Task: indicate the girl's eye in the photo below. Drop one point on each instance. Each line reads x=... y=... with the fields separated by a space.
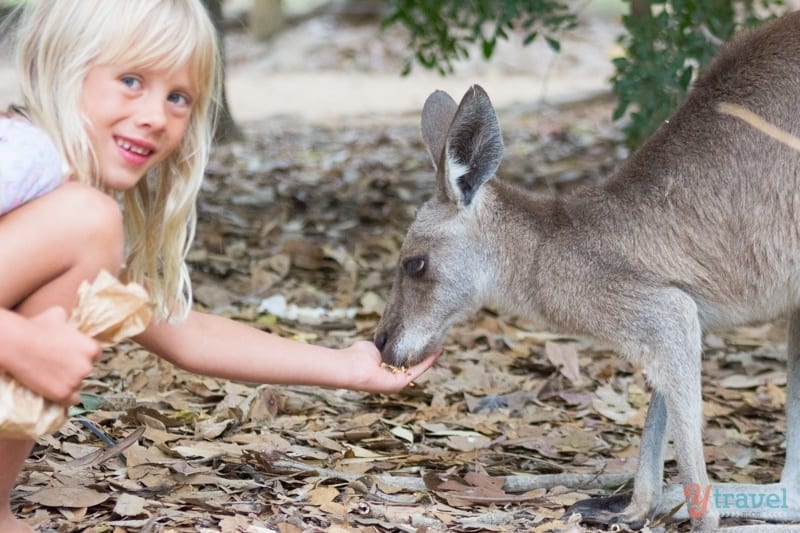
x=179 y=99
x=415 y=266
x=130 y=81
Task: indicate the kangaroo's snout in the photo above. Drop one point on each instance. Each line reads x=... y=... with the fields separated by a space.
x=386 y=342
x=381 y=342
x=400 y=349
x=381 y=339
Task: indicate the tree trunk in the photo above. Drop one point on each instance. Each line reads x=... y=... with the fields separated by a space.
x=266 y=18
x=640 y=11
x=227 y=130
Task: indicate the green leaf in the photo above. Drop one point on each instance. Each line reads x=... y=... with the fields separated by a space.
x=620 y=63
x=487 y=47
x=686 y=78
x=555 y=45
x=530 y=38
x=90 y=402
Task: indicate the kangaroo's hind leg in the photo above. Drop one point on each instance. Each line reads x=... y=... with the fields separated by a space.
x=778 y=502
x=791 y=468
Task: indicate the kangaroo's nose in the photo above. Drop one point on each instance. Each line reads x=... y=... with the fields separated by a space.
x=380 y=340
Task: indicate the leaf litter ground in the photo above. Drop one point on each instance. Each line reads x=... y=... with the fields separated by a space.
x=299 y=230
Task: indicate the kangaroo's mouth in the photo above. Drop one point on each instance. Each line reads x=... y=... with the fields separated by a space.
x=395 y=356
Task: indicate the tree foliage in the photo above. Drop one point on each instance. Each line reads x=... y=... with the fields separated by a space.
x=441 y=30
x=666 y=43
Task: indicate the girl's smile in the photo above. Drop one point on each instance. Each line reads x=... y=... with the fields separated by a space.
x=136 y=153
x=136 y=118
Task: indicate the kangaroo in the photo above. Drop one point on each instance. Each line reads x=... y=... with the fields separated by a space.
x=699 y=229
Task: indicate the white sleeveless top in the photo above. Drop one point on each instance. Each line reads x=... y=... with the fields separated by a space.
x=30 y=165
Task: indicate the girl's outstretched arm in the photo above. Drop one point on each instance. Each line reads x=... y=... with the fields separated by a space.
x=217 y=346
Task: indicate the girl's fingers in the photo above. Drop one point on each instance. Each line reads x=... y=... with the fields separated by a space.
x=74 y=399
x=98 y=351
x=417 y=370
x=385 y=379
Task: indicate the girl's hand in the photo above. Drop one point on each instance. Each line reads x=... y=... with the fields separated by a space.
x=60 y=357
x=367 y=374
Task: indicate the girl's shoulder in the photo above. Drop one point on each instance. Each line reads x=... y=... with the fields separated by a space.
x=30 y=164
x=16 y=129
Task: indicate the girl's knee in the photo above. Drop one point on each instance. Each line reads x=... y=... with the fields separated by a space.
x=95 y=220
x=65 y=237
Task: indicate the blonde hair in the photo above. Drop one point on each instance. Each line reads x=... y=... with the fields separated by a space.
x=58 y=43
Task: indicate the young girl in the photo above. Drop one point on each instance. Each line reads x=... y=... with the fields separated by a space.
x=118 y=96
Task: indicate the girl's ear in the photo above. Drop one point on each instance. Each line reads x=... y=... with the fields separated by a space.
x=473 y=148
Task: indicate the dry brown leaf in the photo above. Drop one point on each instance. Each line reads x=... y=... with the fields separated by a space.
x=108 y=311
x=565 y=358
x=69 y=497
x=322 y=494
x=613 y=405
x=285 y=527
x=211 y=429
x=738 y=381
x=130 y=505
x=207 y=450
x=236 y=524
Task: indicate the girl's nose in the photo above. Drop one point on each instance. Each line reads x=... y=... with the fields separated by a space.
x=152 y=113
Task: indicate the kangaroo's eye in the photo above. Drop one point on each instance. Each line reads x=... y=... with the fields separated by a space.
x=415 y=266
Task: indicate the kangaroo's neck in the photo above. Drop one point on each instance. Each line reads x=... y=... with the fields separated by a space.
x=537 y=241
x=513 y=235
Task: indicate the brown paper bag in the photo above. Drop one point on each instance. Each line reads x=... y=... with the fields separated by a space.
x=108 y=311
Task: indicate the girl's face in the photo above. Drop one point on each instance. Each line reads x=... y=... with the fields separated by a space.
x=137 y=118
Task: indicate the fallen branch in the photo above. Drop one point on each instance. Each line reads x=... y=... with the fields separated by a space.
x=278 y=463
x=522 y=483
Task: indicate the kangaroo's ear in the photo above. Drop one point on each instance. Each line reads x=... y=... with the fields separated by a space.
x=473 y=149
x=437 y=115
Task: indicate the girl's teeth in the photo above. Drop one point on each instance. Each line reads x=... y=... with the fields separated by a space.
x=135 y=149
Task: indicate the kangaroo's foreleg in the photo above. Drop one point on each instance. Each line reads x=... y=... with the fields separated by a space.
x=650 y=468
x=672 y=341
x=636 y=507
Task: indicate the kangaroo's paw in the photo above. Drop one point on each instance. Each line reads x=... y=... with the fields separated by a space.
x=609 y=510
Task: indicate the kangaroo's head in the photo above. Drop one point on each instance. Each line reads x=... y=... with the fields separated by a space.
x=444 y=261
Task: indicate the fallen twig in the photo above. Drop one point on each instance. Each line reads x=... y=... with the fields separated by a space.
x=104 y=454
